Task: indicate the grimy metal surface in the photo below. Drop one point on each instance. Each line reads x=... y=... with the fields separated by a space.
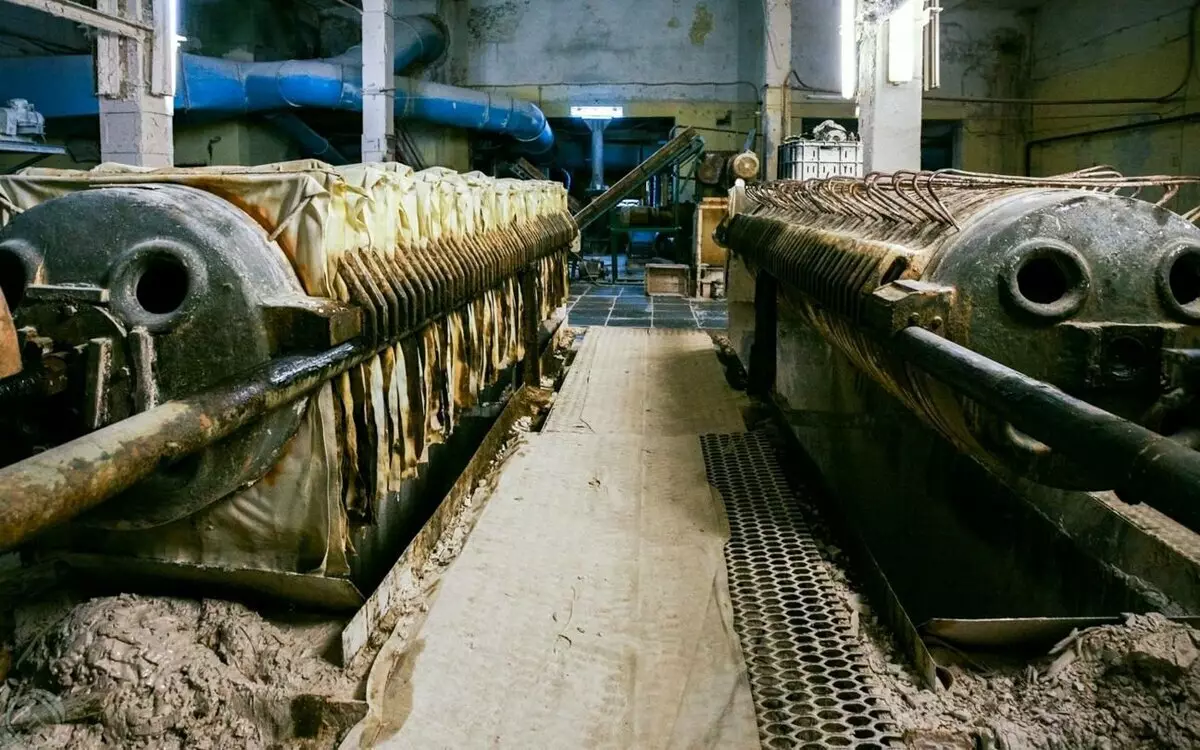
x=808 y=676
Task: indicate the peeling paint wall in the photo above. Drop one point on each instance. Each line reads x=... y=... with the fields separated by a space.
x=697 y=61
x=1085 y=49
x=653 y=49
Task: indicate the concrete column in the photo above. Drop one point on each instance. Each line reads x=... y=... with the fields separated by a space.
x=378 y=51
x=777 y=64
x=135 y=82
x=889 y=119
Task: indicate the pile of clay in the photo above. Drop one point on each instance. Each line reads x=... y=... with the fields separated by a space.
x=151 y=672
x=1131 y=685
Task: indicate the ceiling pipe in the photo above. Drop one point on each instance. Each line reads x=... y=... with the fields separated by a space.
x=227 y=87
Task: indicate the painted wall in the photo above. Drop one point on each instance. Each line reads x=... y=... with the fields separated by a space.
x=1085 y=49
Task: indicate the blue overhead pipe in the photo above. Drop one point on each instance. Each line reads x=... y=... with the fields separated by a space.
x=63 y=86
x=418 y=40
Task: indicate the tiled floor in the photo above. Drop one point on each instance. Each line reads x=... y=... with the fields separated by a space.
x=627 y=306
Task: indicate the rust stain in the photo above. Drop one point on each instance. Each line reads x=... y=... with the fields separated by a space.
x=397 y=696
x=10 y=351
x=702 y=25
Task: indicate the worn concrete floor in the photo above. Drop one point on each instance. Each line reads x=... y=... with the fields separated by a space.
x=589 y=607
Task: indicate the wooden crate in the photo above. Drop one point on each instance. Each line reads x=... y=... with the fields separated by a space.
x=708 y=215
x=667 y=278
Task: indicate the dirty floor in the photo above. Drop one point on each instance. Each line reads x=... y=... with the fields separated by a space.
x=589 y=607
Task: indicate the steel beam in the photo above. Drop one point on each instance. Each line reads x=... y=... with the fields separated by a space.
x=97 y=19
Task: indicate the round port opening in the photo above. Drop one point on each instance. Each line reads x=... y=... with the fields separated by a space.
x=1042 y=281
x=155 y=283
x=163 y=284
x=1179 y=282
x=1048 y=280
x=1185 y=279
x=13 y=277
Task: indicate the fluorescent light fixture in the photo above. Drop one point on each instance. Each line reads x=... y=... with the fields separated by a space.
x=597 y=113
x=902 y=42
x=849 y=51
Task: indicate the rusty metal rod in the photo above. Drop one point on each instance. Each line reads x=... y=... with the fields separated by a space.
x=673 y=150
x=1142 y=465
x=60 y=483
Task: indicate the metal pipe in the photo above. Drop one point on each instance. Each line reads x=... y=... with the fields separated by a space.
x=60 y=483
x=597 y=127
x=1143 y=465
x=310 y=141
x=228 y=87
x=933 y=44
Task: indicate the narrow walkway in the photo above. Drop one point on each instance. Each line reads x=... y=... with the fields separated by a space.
x=589 y=607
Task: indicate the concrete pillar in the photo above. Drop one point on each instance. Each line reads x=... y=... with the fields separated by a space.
x=777 y=65
x=135 y=83
x=378 y=91
x=889 y=119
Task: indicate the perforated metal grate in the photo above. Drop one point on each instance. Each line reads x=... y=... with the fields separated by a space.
x=807 y=673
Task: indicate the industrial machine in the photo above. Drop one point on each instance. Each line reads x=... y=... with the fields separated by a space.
x=236 y=375
x=1047 y=327
x=23 y=130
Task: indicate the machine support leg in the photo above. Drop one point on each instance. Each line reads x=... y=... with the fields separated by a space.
x=613 y=244
x=530 y=324
x=761 y=378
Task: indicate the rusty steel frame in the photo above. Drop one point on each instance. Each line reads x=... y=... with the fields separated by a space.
x=10 y=346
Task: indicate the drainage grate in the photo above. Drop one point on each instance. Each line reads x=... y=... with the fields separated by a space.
x=807 y=674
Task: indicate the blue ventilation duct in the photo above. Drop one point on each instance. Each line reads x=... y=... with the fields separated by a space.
x=311 y=142
x=63 y=86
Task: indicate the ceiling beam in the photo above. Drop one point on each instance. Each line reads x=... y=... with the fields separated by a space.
x=89 y=17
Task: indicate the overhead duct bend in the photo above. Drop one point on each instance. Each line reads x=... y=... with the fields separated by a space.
x=217 y=86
